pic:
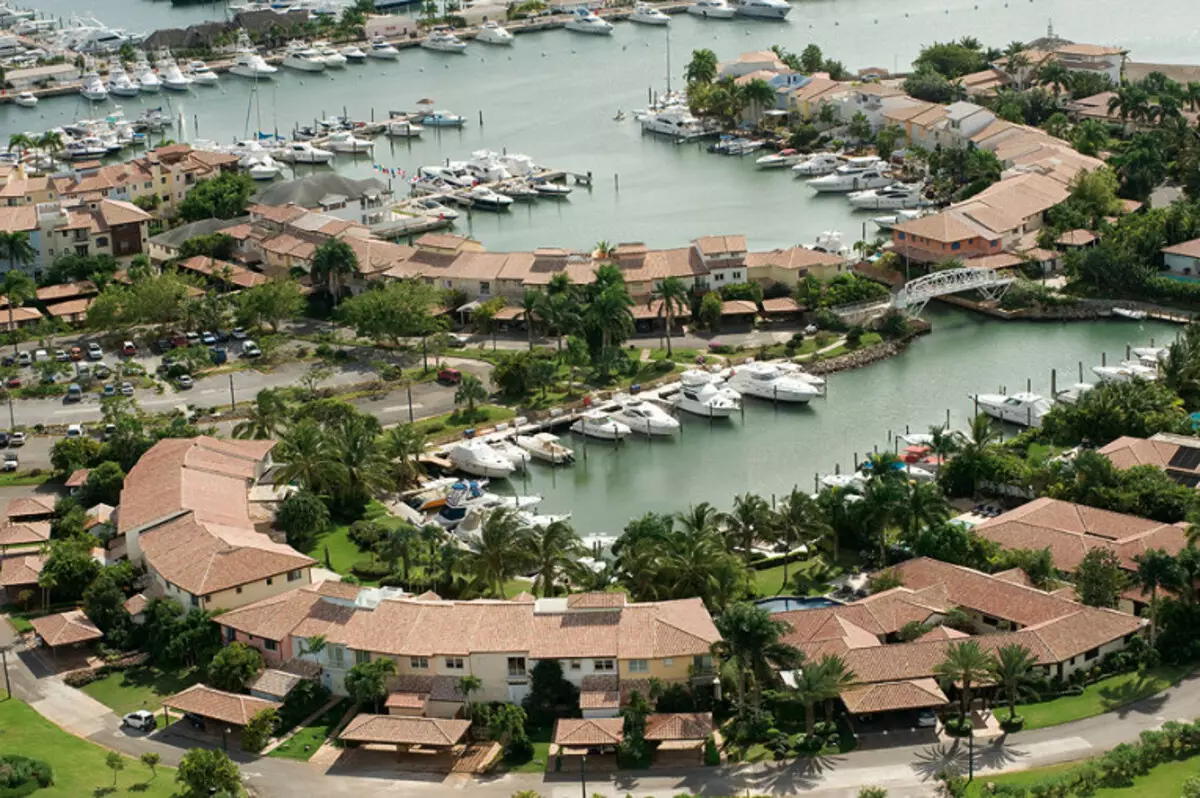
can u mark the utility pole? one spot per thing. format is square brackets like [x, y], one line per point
[4, 665]
[232, 398]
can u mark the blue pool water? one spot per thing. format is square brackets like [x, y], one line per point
[789, 603]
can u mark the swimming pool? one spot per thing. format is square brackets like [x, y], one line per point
[790, 603]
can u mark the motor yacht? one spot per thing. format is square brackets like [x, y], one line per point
[382, 50]
[201, 74]
[119, 83]
[262, 167]
[1127, 371]
[451, 175]
[893, 197]
[475, 457]
[301, 57]
[647, 14]
[1151, 355]
[345, 142]
[644, 417]
[85, 149]
[404, 129]
[763, 9]
[506, 448]
[354, 55]
[171, 75]
[303, 152]
[707, 399]
[1073, 394]
[779, 160]
[735, 145]
[484, 198]
[26, 99]
[851, 177]
[492, 32]
[248, 63]
[545, 188]
[443, 41]
[1025, 409]
[1130, 313]
[797, 371]
[598, 424]
[769, 381]
[585, 21]
[92, 88]
[333, 58]
[822, 163]
[889, 221]
[462, 497]
[427, 206]
[518, 190]
[442, 119]
[487, 166]
[545, 446]
[145, 77]
[676, 122]
[711, 9]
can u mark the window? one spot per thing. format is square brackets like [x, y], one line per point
[294, 575]
[669, 661]
[639, 666]
[576, 665]
[102, 241]
[195, 601]
[604, 665]
[1091, 654]
[164, 181]
[148, 184]
[270, 645]
[485, 287]
[737, 275]
[900, 235]
[418, 663]
[337, 656]
[955, 245]
[454, 663]
[516, 666]
[362, 657]
[230, 635]
[270, 581]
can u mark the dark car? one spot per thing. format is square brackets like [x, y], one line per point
[179, 340]
[161, 346]
[10, 360]
[195, 720]
[3, 439]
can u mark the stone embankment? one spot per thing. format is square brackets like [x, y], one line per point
[859, 358]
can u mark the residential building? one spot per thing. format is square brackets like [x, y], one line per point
[365, 201]
[873, 100]
[1183, 258]
[744, 64]
[67, 227]
[1178, 455]
[806, 100]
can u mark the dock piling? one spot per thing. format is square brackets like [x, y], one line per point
[1128, 351]
[1028, 385]
[1104, 358]
[1053, 383]
[616, 181]
[1081, 371]
[481, 117]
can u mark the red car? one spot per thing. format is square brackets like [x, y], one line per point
[13, 382]
[128, 348]
[449, 376]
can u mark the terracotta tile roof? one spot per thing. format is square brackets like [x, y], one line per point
[524, 597]
[1014, 575]
[275, 682]
[940, 632]
[54, 293]
[279, 214]
[208, 702]
[738, 307]
[400, 730]
[434, 688]
[889, 696]
[335, 589]
[596, 601]
[679, 726]
[792, 258]
[118, 212]
[655, 310]
[1075, 238]
[1127, 452]
[599, 692]
[1190, 249]
[1087, 50]
[944, 227]
[982, 593]
[30, 507]
[71, 307]
[441, 241]
[78, 478]
[20, 569]
[428, 595]
[405, 701]
[135, 604]
[720, 245]
[22, 534]
[783, 304]
[65, 628]
[584, 732]
[300, 613]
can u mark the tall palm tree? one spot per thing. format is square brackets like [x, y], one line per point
[673, 296]
[609, 312]
[333, 263]
[556, 552]
[1155, 569]
[531, 303]
[799, 519]
[752, 642]
[20, 141]
[307, 458]
[365, 469]
[974, 450]
[470, 392]
[17, 287]
[469, 685]
[1014, 670]
[965, 664]
[942, 442]
[695, 562]
[837, 505]
[1056, 76]
[1191, 94]
[50, 142]
[923, 505]
[821, 681]
[403, 444]
[749, 520]
[265, 418]
[702, 68]
[502, 549]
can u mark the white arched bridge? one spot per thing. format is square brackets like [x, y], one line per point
[915, 294]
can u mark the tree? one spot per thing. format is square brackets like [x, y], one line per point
[752, 642]
[265, 418]
[302, 516]
[556, 551]
[234, 666]
[973, 452]
[1090, 137]
[925, 84]
[366, 682]
[811, 59]
[103, 485]
[1156, 569]
[116, 763]
[270, 303]
[966, 664]
[702, 68]
[333, 263]
[799, 520]
[467, 686]
[672, 296]
[257, 733]
[69, 568]
[531, 303]
[576, 356]
[1015, 671]
[859, 127]
[307, 458]
[104, 602]
[206, 771]
[710, 311]
[17, 286]
[1142, 165]
[887, 138]
[749, 521]
[403, 445]
[542, 373]
[759, 93]
[394, 311]
[470, 392]
[361, 464]
[821, 681]
[923, 505]
[951, 59]
[222, 197]
[151, 759]
[502, 549]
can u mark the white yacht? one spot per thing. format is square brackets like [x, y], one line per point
[143, 73]
[301, 57]
[707, 399]
[492, 32]
[26, 99]
[711, 9]
[676, 122]
[303, 152]
[443, 41]
[403, 128]
[779, 160]
[484, 198]
[92, 88]
[171, 75]
[769, 381]
[547, 188]
[1025, 409]
[851, 177]
[1073, 394]
[428, 206]
[475, 457]
[585, 21]
[644, 417]
[333, 58]
[442, 119]
[822, 163]
[598, 424]
[892, 197]
[262, 167]
[765, 9]
[798, 372]
[249, 64]
[506, 448]
[201, 74]
[1127, 371]
[344, 141]
[545, 446]
[353, 54]
[647, 14]
[119, 83]
[889, 221]
[382, 50]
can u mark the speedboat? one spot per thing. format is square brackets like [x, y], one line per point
[301, 57]
[545, 188]
[822, 163]
[515, 454]
[545, 446]
[451, 175]
[492, 32]
[428, 206]
[1130, 313]
[201, 74]
[345, 141]
[262, 167]
[676, 122]
[889, 221]
[1026, 409]
[648, 15]
[382, 50]
[895, 196]
[598, 424]
[763, 9]
[1073, 394]
[851, 177]
[778, 160]
[455, 500]
[484, 198]
[402, 128]
[735, 145]
[711, 9]
[303, 152]
[146, 79]
[249, 64]
[1150, 355]
[332, 57]
[119, 84]
[585, 21]
[442, 119]
[769, 381]
[444, 42]
[707, 399]
[26, 99]
[642, 416]
[171, 75]
[353, 54]
[477, 458]
[518, 190]
[1127, 371]
[92, 88]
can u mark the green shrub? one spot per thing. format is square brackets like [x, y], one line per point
[370, 568]
[712, 757]
[21, 776]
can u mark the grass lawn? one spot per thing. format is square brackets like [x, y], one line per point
[342, 553]
[140, 688]
[305, 742]
[1165, 780]
[541, 755]
[448, 425]
[1103, 696]
[15, 479]
[79, 768]
[769, 581]
[20, 620]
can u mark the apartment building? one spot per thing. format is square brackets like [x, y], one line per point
[70, 227]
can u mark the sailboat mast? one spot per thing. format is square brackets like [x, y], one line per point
[668, 59]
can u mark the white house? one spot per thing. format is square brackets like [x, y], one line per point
[1183, 258]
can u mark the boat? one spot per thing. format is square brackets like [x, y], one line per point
[762, 9]
[546, 188]
[515, 454]
[1073, 394]
[598, 424]
[85, 149]
[1127, 371]
[26, 99]
[735, 145]
[1130, 313]
[769, 381]
[452, 175]
[647, 14]
[301, 57]
[822, 163]
[779, 160]
[706, 398]
[518, 190]
[170, 74]
[427, 206]
[642, 416]
[1025, 408]
[443, 41]
[247, 63]
[382, 50]
[143, 75]
[492, 32]
[201, 74]
[462, 497]
[851, 177]
[888, 222]
[711, 9]
[333, 58]
[345, 142]
[403, 128]
[119, 83]
[798, 372]
[676, 122]
[303, 152]
[262, 167]
[475, 457]
[484, 198]
[892, 197]
[92, 88]
[442, 119]
[354, 55]
[1151, 355]
[585, 21]
[545, 446]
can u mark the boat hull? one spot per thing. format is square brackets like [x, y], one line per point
[705, 410]
[251, 72]
[711, 13]
[303, 65]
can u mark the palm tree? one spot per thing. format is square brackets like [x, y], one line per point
[265, 418]
[799, 520]
[923, 506]
[20, 141]
[1155, 569]
[609, 312]
[470, 392]
[696, 563]
[559, 312]
[974, 450]
[821, 681]
[603, 250]
[556, 551]
[502, 549]
[749, 520]
[307, 458]
[837, 505]
[965, 664]
[702, 68]
[1130, 103]
[700, 519]
[1013, 670]
[332, 264]
[1191, 94]
[672, 295]
[17, 287]
[531, 303]
[398, 545]
[469, 685]
[942, 442]
[365, 469]
[759, 92]
[403, 445]
[50, 142]
[752, 643]
[1054, 75]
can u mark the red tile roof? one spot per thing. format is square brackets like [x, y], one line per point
[400, 730]
[208, 702]
[585, 733]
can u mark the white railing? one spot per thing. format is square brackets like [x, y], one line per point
[916, 294]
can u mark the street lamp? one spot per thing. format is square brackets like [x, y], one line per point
[583, 776]
[4, 664]
[225, 732]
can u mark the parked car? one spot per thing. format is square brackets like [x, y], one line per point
[179, 340]
[40, 355]
[110, 390]
[75, 431]
[9, 360]
[456, 340]
[11, 462]
[94, 352]
[449, 376]
[217, 355]
[102, 371]
[140, 719]
[193, 338]
[129, 349]
[207, 338]
[24, 359]
[127, 389]
[13, 382]
[76, 353]
[926, 719]
[195, 720]
[109, 431]
[3, 439]
[61, 355]
[16, 439]
[74, 393]
[250, 349]
[161, 346]
[185, 381]
[238, 334]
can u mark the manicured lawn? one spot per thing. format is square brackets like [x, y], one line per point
[447, 425]
[140, 688]
[540, 761]
[305, 742]
[1165, 781]
[769, 581]
[78, 766]
[17, 479]
[1103, 696]
[342, 553]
